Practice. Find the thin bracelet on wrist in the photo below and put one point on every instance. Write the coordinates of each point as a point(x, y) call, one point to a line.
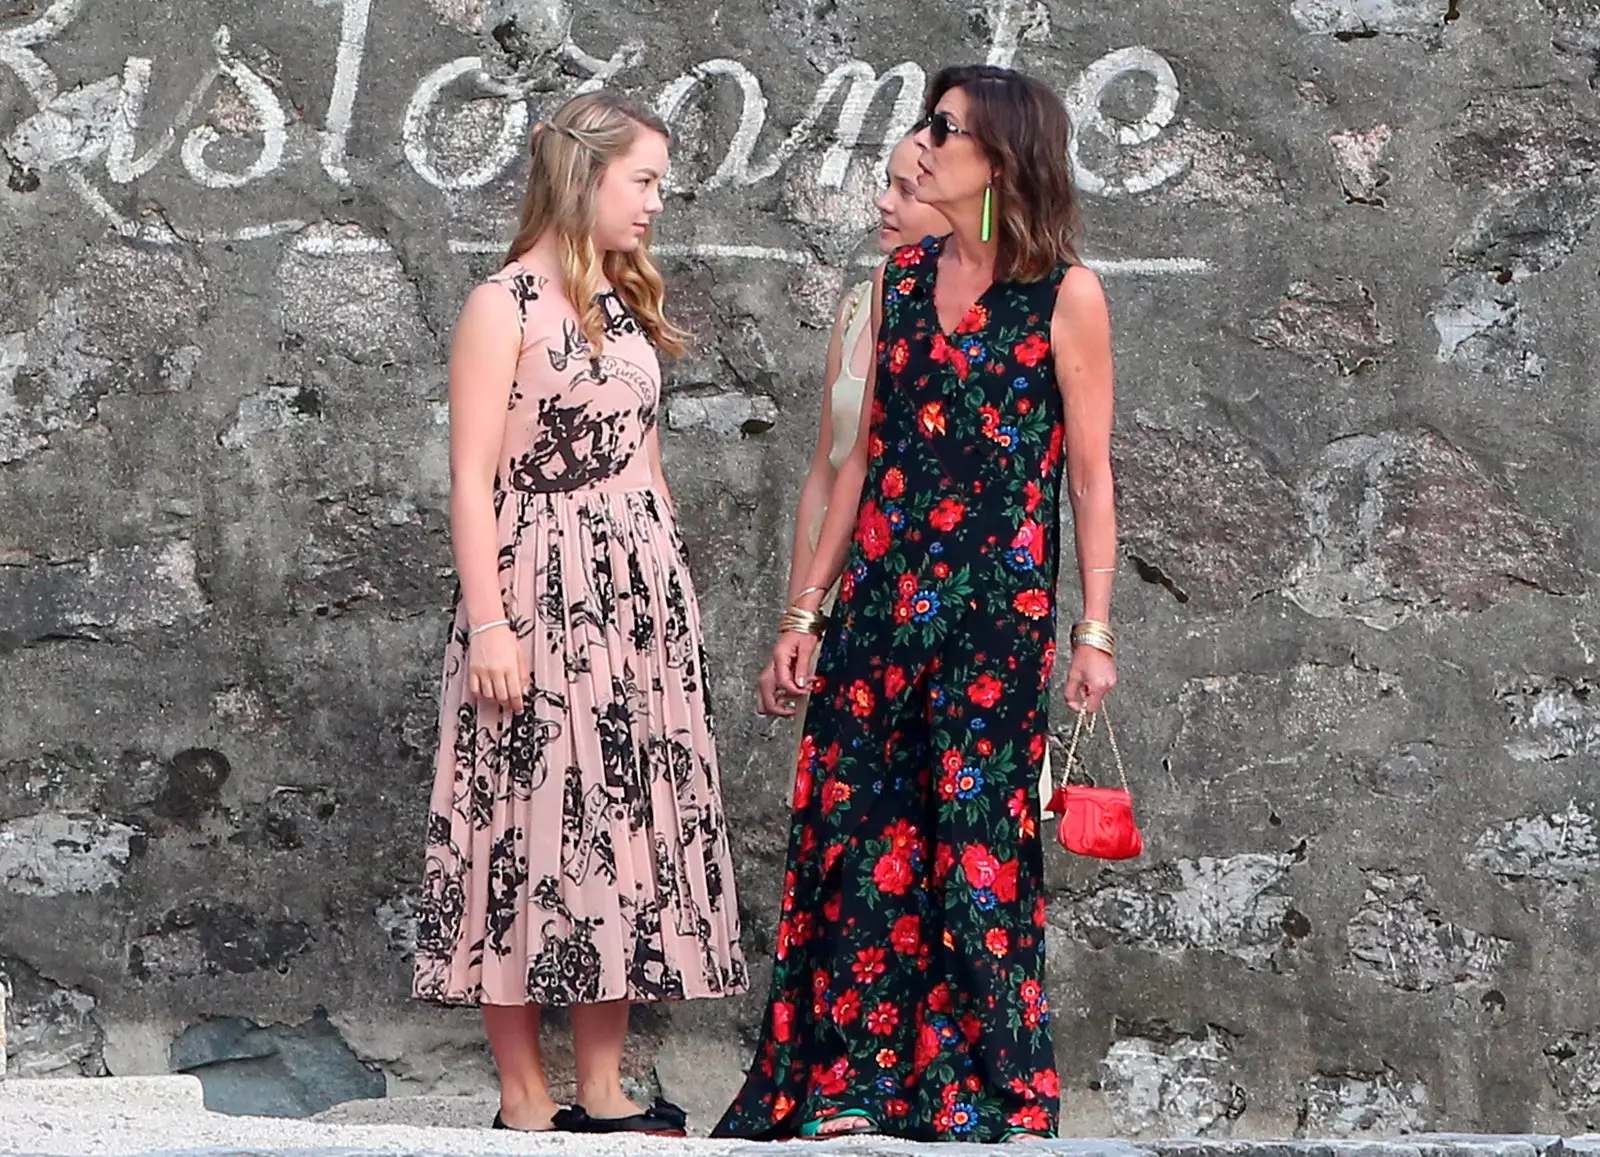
point(481, 628)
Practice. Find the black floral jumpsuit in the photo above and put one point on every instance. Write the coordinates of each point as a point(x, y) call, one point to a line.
point(909, 982)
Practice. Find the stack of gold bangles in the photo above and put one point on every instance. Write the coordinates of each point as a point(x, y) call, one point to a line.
point(1091, 633)
point(797, 618)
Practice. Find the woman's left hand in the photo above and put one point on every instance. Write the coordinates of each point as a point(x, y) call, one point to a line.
point(1091, 674)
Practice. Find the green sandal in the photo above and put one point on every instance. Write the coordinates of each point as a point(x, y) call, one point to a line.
point(1013, 1135)
point(812, 1129)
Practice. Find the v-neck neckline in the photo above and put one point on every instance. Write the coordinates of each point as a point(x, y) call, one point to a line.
point(951, 336)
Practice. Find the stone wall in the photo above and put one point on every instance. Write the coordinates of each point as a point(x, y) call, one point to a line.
point(1347, 246)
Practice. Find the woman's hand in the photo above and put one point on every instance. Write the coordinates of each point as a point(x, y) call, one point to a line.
point(792, 658)
point(769, 700)
point(1091, 674)
point(496, 672)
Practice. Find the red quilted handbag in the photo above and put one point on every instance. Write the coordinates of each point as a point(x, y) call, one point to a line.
point(1096, 821)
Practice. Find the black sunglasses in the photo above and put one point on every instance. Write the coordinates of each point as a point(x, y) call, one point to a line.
point(940, 128)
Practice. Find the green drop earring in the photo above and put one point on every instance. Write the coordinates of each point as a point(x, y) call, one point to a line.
point(986, 227)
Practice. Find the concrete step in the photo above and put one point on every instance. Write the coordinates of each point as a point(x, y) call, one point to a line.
point(166, 1117)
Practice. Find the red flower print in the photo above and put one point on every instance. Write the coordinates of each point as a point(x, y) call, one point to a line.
point(1039, 913)
point(847, 586)
point(875, 447)
point(906, 935)
point(939, 998)
point(802, 786)
point(892, 874)
point(985, 690)
point(951, 760)
point(831, 910)
point(861, 699)
point(906, 585)
point(834, 793)
point(869, 965)
point(887, 1058)
point(1031, 496)
point(1030, 991)
point(980, 865)
point(898, 1108)
point(1034, 603)
point(1024, 406)
point(830, 758)
point(1047, 1083)
point(907, 256)
point(977, 317)
point(941, 570)
point(872, 531)
point(949, 784)
point(1049, 665)
point(1031, 351)
point(1005, 882)
point(781, 1106)
point(1018, 804)
point(947, 515)
point(894, 482)
point(902, 611)
point(1030, 537)
point(902, 835)
point(1053, 454)
point(931, 418)
point(834, 1079)
point(883, 1020)
point(894, 681)
point(991, 419)
point(927, 1047)
point(847, 1009)
point(899, 355)
point(782, 1021)
point(944, 860)
point(906, 284)
point(831, 857)
point(972, 1029)
point(1033, 1118)
point(1036, 745)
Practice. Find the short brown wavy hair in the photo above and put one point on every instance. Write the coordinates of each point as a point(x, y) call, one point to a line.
point(1023, 127)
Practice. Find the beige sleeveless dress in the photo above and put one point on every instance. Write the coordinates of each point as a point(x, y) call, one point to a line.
point(578, 852)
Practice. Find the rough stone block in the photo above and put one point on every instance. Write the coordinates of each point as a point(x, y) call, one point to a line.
point(276, 1071)
point(1560, 849)
point(1336, 323)
point(1204, 516)
point(1400, 939)
point(113, 593)
point(1235, 905)
point(53, 854)
point(1350, 1104)
point(1350, 19)
point(52, 1030)
point(1175, 1084)
point(1406, 520)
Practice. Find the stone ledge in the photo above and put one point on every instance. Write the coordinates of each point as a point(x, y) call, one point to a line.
point(131, 1095)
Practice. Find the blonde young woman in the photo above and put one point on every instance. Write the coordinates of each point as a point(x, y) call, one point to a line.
point(902, 220)
point(577, 851)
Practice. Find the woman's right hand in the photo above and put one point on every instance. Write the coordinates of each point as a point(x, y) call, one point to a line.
point(792, 658)
point(496, 672)
point(769, 700)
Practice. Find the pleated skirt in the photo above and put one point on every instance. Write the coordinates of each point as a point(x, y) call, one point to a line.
point(577, 852)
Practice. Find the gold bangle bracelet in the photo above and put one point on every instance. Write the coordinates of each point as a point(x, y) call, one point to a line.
point(1098, 642)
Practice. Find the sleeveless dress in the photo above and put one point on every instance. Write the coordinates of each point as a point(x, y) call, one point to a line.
point(577, 852)
point(909, 974)
point(846, 394)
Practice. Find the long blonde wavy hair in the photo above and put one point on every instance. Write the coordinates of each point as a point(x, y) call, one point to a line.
point(569, 152)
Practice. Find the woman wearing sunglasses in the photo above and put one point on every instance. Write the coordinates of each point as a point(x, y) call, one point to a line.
point(908, 992)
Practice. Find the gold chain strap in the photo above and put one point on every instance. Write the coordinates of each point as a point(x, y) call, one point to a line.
point(1077, 730)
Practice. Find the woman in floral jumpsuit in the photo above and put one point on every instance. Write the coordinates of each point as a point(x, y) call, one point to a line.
point(908, 992)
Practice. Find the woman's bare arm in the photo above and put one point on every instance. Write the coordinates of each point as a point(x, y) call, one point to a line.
point(818, 485)
point(1081, 335)
point(483, 361)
